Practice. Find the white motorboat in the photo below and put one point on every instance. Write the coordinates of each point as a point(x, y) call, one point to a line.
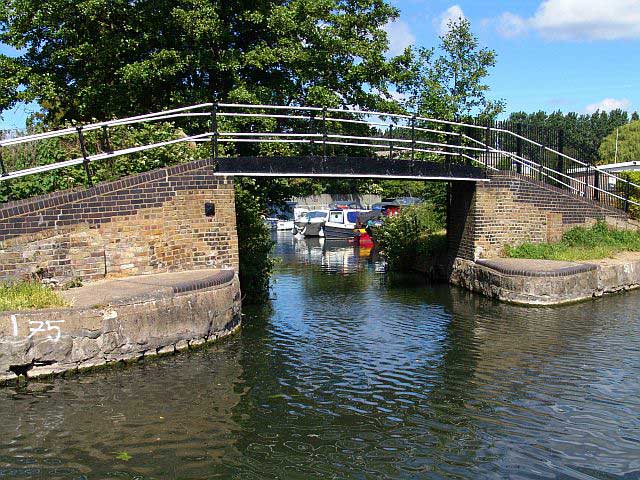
point(342, 223)
point(311, 224)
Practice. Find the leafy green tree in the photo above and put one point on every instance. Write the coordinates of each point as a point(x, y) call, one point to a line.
point(450, 82)
point(84, 59)
point(627, 139)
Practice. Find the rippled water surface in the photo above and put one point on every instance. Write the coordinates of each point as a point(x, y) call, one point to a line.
point(352, 373)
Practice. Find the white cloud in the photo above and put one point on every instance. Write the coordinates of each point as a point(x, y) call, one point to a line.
point(577, 20)
point(451, 14)
point(510, 25)
point(608, 104)
point(400, 36)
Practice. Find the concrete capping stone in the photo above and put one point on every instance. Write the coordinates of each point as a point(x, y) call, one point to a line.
point(216, 279)
point(531, 272)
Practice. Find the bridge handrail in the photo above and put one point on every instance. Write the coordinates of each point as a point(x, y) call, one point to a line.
point(396, 120)
point(542, 168)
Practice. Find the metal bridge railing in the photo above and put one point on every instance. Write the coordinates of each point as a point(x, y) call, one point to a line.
point(380, 133)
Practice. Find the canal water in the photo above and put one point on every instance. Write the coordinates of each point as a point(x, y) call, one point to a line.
point(354, 373)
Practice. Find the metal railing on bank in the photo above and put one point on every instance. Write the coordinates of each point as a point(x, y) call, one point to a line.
point(240, 129)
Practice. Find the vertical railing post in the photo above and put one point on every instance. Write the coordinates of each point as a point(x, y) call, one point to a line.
point(561, 150)
point(540, 164)
point(627, 191)
point(3, 169)
point(413, 137)
point(324, 133)
point(106, 141)
point(462, 131)
point(519, 146)
point(596, 184)
point(312, 119)
point(391, 141)
point(586, 181)
point(85, 156)
point(487, 144)
point(214, 130)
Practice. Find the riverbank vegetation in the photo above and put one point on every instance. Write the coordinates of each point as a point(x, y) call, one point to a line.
point(415, 234)
point(28, 295)
point(581, 243)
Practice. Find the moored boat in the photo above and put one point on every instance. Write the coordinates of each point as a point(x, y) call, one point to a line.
point(311, 224)
point(342, 224)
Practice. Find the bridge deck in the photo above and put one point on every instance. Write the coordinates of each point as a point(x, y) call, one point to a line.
point(347, 167)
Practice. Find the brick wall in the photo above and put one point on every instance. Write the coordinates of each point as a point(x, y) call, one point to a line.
point(151, 222)
point(512, 209)
point(460, 220)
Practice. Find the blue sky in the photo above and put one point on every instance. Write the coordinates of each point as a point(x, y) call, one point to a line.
point(572, 55)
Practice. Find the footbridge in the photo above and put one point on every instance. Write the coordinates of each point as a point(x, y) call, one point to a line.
point(505, 188)
point(308, 141)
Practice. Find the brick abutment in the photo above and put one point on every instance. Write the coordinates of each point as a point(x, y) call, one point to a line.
point(174, 218)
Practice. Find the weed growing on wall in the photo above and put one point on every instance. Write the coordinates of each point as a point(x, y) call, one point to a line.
point(28, 295)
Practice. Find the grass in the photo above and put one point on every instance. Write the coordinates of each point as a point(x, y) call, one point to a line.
point(28, 295)
point(580, 243)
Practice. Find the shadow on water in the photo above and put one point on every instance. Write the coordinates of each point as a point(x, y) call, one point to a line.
point(350, 372)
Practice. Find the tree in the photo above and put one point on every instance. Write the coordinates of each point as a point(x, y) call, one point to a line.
point(450, 82)
point(84, 59)
point(627, 139)
point(583, 134)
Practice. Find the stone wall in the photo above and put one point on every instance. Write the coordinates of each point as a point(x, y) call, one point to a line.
point(513, 209)
point(152, 222)
point(51, 341)
point(591, 280)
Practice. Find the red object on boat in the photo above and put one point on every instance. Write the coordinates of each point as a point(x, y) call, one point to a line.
point(363, 239)
point(391, 211)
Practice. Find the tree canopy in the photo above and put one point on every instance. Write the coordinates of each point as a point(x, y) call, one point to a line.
point(84, 59)
point(627, 138)
point(583, 133)
point(99, 58)
point(449, 82)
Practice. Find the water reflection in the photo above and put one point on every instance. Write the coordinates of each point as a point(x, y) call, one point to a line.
point(353, 373)
point(166, 415)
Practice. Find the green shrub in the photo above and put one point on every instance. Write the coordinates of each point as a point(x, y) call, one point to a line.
point(28, 295)
point(412, 234)
point(254, 244)
point(580, 243)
